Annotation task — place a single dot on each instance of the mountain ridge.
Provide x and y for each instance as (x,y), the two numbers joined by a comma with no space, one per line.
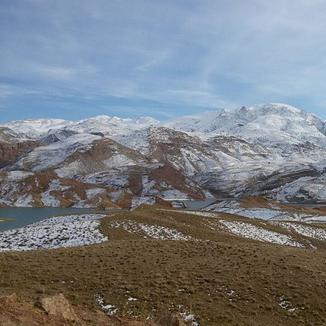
(45,125)
(272,150)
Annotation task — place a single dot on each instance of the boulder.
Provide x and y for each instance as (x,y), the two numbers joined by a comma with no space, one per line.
(59,306)
(171,320)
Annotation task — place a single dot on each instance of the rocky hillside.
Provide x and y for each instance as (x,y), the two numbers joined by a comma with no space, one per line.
(273,150)
(167,267)
(56,310)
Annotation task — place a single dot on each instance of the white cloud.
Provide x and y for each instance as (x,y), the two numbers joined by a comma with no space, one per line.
(205,53)
(57,72)
(5,91)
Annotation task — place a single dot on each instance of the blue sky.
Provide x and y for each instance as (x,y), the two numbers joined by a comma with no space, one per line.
(78,58)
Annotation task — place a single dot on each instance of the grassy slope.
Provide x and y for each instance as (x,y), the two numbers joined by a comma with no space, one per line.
(227,280)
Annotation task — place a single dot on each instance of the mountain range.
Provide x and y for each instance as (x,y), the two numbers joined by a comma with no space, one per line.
(272,150)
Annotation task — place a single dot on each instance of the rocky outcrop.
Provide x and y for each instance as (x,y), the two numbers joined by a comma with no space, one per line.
(59,306)
(171,320)
(57,311)
(15,312)
(11,152)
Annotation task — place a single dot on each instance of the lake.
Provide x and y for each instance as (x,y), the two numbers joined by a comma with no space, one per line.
(198,204)
(18,217)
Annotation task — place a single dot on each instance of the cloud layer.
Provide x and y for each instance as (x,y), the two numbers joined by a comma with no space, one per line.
(162,58)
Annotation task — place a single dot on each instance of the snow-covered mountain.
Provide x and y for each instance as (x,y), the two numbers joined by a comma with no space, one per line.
(36,128)
(268,123)
(274,150)
(106,125)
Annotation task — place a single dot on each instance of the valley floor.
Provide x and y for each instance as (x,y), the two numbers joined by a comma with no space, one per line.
(214,268)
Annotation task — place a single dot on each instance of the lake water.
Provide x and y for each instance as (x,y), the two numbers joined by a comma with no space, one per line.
(19,217)
(308,205)
(198,204)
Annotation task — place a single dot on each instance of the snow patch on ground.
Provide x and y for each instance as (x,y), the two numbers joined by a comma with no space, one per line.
(286,305)
(109,309)
(137,201)
(91,193)
(305,230)
(251,231)
(204,214)
(150,231)
(56,232)
(48,199)
(132,299)
(173,194)
(69,170)
(24,201)
(305,188)
(115,195)
(44,157)
(262,213)
(107,178)
(315,219)
(118,161)
(234,208)
(189,318)
(17,175)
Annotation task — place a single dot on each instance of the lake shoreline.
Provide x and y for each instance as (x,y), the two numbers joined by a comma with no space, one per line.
(18,217)
(2,219)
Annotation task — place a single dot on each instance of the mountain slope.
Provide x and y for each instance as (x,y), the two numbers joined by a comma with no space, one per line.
(273,150)
(276,123)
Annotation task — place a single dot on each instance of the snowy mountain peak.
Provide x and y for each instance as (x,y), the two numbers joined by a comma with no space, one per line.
(278,107)
(272,123)
(253,112)
(111,126)
(114,119)
(270,149)
(35,128)
(39,128)
(276,122)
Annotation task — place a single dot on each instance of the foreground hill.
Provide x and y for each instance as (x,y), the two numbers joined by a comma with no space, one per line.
(273,150)
(207,268)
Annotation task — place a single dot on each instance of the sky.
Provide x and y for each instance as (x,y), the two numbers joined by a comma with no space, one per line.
(73,59)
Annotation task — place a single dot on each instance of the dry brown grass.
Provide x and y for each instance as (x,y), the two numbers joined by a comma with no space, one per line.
(222,279)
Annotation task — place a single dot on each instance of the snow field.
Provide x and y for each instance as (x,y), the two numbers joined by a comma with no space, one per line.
(305,230)
(150,231)
(52,233)
(246,230)
(251,231)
